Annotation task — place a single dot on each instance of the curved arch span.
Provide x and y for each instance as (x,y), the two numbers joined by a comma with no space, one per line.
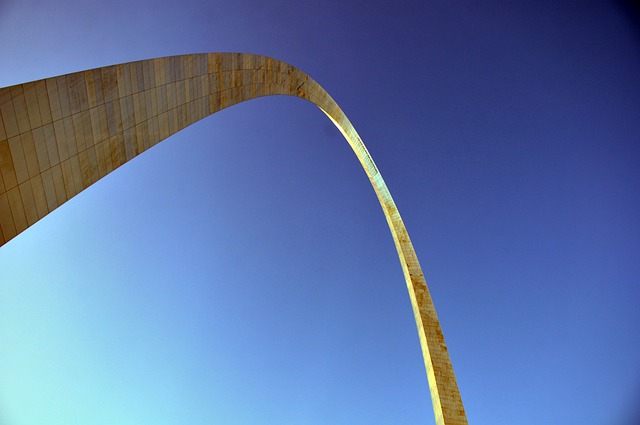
(60,135)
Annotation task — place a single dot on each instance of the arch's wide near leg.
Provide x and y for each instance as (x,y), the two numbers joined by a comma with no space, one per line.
(60,135)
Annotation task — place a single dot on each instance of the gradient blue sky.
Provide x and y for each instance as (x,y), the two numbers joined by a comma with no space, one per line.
(242,272)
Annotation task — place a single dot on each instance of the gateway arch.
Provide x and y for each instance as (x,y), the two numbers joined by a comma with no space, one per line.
(60,135)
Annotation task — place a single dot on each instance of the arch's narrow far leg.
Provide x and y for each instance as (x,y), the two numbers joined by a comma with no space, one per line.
(60,135)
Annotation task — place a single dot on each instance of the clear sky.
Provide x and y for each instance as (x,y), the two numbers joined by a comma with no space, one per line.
(242,272)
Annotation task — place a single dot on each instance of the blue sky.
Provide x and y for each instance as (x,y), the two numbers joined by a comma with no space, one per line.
(242,272)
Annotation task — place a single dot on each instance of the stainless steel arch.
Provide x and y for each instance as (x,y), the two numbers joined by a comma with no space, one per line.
(60,135)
